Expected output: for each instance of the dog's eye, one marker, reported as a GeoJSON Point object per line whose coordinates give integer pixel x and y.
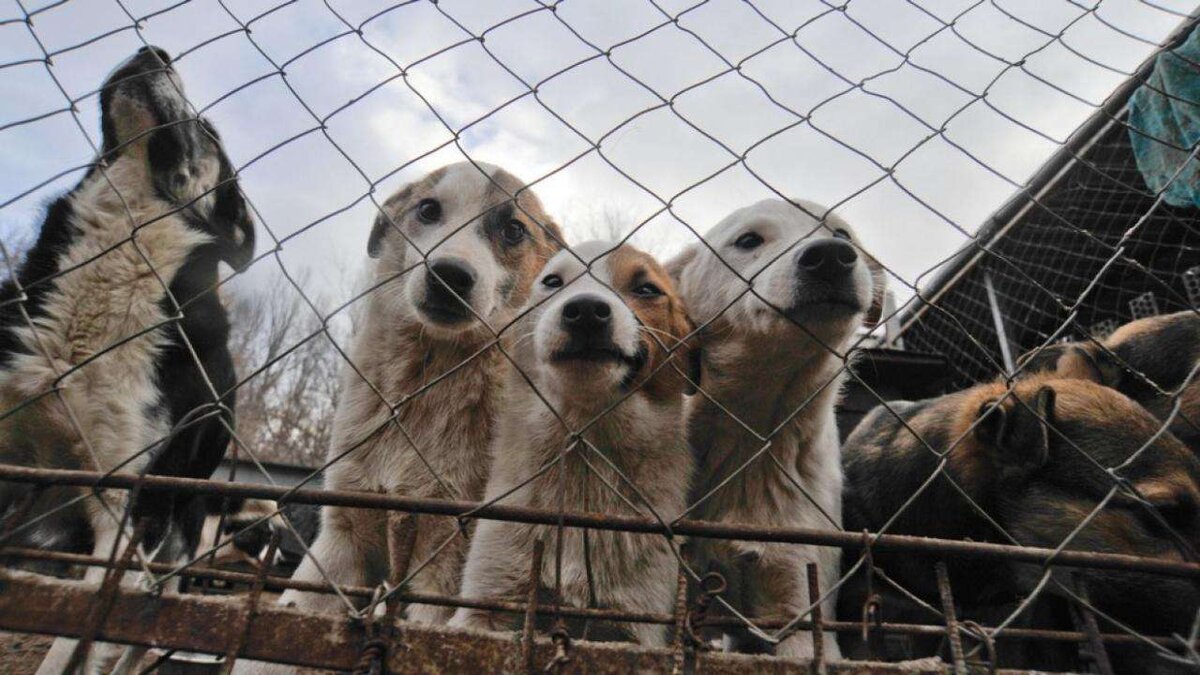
{"type": "Point", "coordinates": [513, 232]}
{"type": "Point", "coordinates": [429, 211]}
{"type": "Point", "coordinates": [647, 290]}
{"type": "Point", "coordinates": [841, 234]}
{"type": "Point", "coordinates": [552, 281]}
{"type": "Point", "coordinates": [749, 240]}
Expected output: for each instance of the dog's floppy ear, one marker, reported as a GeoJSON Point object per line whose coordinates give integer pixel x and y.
{"type": "Point", "coordinates": [1017, 432]}
{"type": "Point", "coordinates": [234, 226]}
{"type": "Point", "coordinates": [675, 266]}
{"type": "Point", "coordinates": [878, 293]}
{"type": "Point", "coordinates": [690, 355]}
{"type": "Point", "coordinates": [396, 204]}
{"type": "Point", "coordinates": [378, 229]}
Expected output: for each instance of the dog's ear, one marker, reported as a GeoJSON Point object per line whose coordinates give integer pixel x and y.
{"type": "Point", "coordinates": [878, 293]}
{"type": "Point", "coordinates": [378, 230]}
{"type": "Point", "coordinates": [688, 348]}
{"type": "Point", "coordinates": [1107, 367]}
{"type": "Point", "coordinates": [387, 217]}
{"type": "Point", "coordinates": [675, 266]}
{"type": "Point", "coordinates": [234, 226]}
{"type": "Point", "coordinates": [1017, 432]}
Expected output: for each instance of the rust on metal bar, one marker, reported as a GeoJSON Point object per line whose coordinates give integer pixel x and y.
{"type": "Point", "coordinates": [596, 521]}
{"type": "Point", "coordinates": [529, 628]}
{"type": "Point", "coordinates": [251, 608]}
{"type": "Point", "coordinates": [33, 604]}
{"type": "Point", "coordinates": [956, 648]}
{"type": "Point", "coordinates": [683, 646]}
{"type": "Point", "coordinates": [818, 625]}
{"type": "Point", "coordinates": [599, 614]}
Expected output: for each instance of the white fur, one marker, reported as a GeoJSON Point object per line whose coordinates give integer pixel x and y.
{"type": "Point", "coordinates": [437, 445]}
{"type": "Point", "coordinates": [762, 368]}
{"type": "Point", "coordinates": [642, 436]}
{"type": "Point", "coordinates": [98, 417]}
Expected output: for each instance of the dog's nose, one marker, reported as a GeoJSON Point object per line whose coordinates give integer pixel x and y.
{"type": "Point", "coordinates": [159, 51]}
{"type": "Point", "coordinates": [586, 313]}
{"type": "Point", "coordinates": [452, 274]}
{"type": "Point", "coordinates": [827, 258]}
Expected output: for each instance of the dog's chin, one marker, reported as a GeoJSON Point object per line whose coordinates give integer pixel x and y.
{"type": "Point", "coordinates": [830, 308]}
{"type": "Point", "coordinates": [606, 365]}
{"type": "Point", "coordinates": [444, 320]}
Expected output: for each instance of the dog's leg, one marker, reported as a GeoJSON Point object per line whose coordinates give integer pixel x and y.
{"type": "Point", "coordinates": [443, 573]}
{"type": "Point", "coordinates": [106, 531]}
{"type": "Point", "coordinates": [780, 590]}
{"type": "Point", "coordinates": [347, 549]}
{"type": "Point", "coordinates": [650, 591]}
{"type": "Point", "coordinates": [497, 568]}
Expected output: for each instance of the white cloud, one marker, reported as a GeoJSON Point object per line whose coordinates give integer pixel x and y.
{"type": "Point", "coordinates": [307, 190]}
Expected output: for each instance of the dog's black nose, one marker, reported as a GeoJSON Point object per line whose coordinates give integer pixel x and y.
{"type": "Point", "coordinates": [586, 313]}
{"type": "Point", "coordinates": [827, 258]}
{"type": "Point", "coordinates": [159, 51]}
{"type": "Point", "coordinates": [451, 274]}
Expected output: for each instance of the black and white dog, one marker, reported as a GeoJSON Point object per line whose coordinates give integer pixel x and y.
{"type": "Point", "coordinates": [113, 351]}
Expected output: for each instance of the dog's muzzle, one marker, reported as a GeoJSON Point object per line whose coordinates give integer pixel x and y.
{"type": "Point", "coordinates": [825, 275]}
{"type": "Point", "coordinates": [587, 321]}
{"type": "Point", "coordinates": [448, 286]}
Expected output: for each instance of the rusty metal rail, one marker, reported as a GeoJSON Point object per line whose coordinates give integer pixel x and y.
{"type": "Point", "coordinates": [277, 583]}
{"type": "Point", "coordinates": [33, 604]}
{"type": "Point", "coordinates": [690, 528]}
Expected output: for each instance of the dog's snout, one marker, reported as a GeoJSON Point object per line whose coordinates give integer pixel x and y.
{"type": "Point", "coordinates": [586, 313]}
{"type": "Point", "coordinates": [827, 258]}
{"type": "Point", "coordinates": [156, 51]}
{"type": "Point", "coordinates": [452, 274]}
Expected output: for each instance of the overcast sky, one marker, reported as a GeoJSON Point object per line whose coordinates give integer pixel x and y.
{"type": "Point", "coordinates": [823, 116]}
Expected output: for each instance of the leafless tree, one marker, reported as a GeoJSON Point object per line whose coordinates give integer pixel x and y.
{"type": "Point", "coordinates": [289, 373]}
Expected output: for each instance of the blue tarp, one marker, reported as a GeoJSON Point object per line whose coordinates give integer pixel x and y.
{"type": "Point", "coordinates": [1164, 120]}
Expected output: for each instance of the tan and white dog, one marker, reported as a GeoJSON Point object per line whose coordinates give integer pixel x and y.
{"type": "Point", "coordinates": [773, 349]}
{"type": "Point", "coordinates": [424, 337]}
{"type": "Point", "coordinates": [591, 341]}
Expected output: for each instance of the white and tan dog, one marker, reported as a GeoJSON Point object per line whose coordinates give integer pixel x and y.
{"type": "Point", "coordinates": [772, 357]}
{"type": "Point", "coordinates": [424, 325]}
{"type": "Point", "coordinates": [590, 341]}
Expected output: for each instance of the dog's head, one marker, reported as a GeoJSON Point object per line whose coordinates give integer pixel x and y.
{"type": "Point", "coordinates": [463, 246]}
{"type": "Point", "coordinates": [154, 147]}
{"type": "Point", "coordinates": [1037, 460]}
{"type": "Point", "coordinates": [1073, 360]}
{"type": "Point", "coordinates": [594, 333]}
{"type": "Point", "coordinates": [1143, 359]}
{"type": "Point", "coordinates": [1055, 463]}
{"type": "Point", "coordinates": [803, 266]}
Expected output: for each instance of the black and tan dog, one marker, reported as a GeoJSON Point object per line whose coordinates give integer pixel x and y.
{"type": "Point", "coordinates": [1035, 460]}
{"type": "Point", "coordinates": [1149, 360]}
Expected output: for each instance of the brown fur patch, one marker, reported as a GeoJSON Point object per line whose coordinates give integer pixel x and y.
{"type": "Point", "coordinates": [664, 316]}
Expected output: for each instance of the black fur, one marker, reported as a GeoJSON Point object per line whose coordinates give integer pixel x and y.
{"type": "Point", "coordinates": [1030, 479]}
{"type": "Point", "coordinates": [201, 421]}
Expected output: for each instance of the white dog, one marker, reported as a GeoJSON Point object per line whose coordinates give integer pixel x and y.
{"type": "Point", "coordinates": [424, 325]}
{"type": "Point", "coordinates": [773, 355]}
{"type": "Point", "coordinates": [587, 342]}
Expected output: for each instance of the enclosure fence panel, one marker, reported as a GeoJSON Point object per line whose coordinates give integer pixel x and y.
{"type": "Point", "coordinates": [1004, 188]}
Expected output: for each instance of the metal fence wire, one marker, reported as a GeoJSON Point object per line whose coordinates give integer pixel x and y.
{"type": "Point", "coordinates": [1043, 515]}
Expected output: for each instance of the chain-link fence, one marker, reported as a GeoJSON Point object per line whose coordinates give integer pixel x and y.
{"type": "Point", "coordinates": [508, 427]}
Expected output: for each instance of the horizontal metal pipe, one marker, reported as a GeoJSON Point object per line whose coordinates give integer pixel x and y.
{"type": "Point", "coordinates": [277, 583]}
{"type": "Point", "coordinates": [691, 528]}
